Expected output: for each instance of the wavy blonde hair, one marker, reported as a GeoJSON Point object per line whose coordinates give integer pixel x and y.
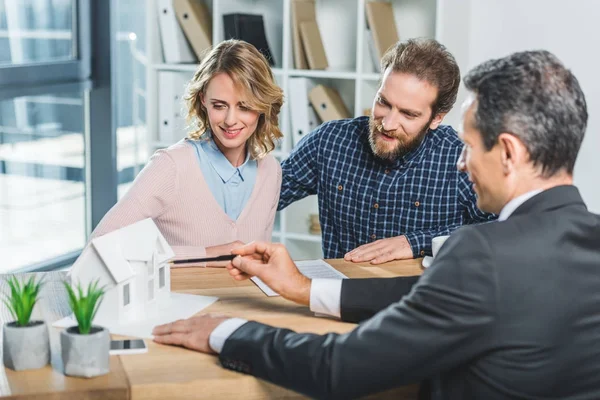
{"type": "Point", "coordinates": [250, 71]}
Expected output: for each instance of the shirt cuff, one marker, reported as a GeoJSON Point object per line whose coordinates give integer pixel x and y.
{"type": "Point", "coordinates": [325, 296]}
{"type": "Point", "coordinates": [417, 243]}
{"type": "Point", "coordinates": [221, 333]}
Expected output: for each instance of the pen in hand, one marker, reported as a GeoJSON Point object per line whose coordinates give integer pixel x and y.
{"type": "Point", "coordinates": [226, 257]}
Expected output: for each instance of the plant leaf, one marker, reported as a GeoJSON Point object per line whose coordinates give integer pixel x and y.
{"type": "Point", "coordinates": [85, 303]}
{"type": "Point", "coordinates": [22, 298]}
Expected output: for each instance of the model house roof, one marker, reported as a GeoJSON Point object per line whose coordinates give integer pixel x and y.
{"type": "Point", "coordinates": [137, 242]}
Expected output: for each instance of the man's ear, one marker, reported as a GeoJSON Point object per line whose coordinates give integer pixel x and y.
{"type": "Point", "coordinates": [437, 120]}
{"type": "Point", "coordinates": [512, 151]}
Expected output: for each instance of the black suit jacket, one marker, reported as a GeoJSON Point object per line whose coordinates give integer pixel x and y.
{"type": "Point", "coordinates": [508, 310]}
{"type": "Point", "coordinates": [363, 298]}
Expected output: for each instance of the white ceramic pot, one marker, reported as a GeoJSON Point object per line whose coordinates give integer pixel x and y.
{"type": "Point", "coordinates": [26, 347]}
{"type": "Point", "coordinates": [85, 355]}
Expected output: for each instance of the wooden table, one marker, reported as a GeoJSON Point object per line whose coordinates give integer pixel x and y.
{"type": "Point", "coordinates": [176, 373]}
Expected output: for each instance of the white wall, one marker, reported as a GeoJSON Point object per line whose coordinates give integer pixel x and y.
{"type": "Point", "coordinates": [493, 28]}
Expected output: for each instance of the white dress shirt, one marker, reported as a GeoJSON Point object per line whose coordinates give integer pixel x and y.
{"type": "Point", "coordinates": [217, 338]}
{"type": "Point", "coordinates": [512, 205]}
{"type": "Point", "coordinates": [325, 294]}
{"type": "Point", "coordinates": [324, 299]}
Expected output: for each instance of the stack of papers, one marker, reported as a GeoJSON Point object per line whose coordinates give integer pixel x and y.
{"type": "Point", "coordinates": [313, 269]}
{"type": "Point", "coordinates": [180, 306]}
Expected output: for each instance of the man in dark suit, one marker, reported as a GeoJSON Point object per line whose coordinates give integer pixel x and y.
{"type": "Point", "coordinates": [508, 309]}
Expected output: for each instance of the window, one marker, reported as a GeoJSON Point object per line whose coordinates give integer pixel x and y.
{"type": "Point", "coordinates": [44, 41]}
{"type": "Point", "coordinates": [151, 289]}
{"type": "Point", "coordinates": [130, 96]}
{"type": "Point", "coordinates": [48, 94]}
{"type": "Point", "coordinates": [57, 137]}
{"type": "Point", "coordinates": [42, 178]}
{"type": "Point", "coordinates": [34, 31]}
{"type": "Point", "coordinates": [161, 277]}
{"type": "Point", "coordinates": [126, 298]}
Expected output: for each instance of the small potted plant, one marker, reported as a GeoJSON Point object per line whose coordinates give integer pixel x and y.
{"type": "Point", "coordinates": [26, 343]}
{"type": "Point", "coordinates": [85, 347]}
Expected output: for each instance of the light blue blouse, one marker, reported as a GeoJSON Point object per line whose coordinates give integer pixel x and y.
{"type": "Point", "coordinates": [230, 186]}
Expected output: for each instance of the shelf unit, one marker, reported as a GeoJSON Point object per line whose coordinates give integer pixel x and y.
{"type": "Point", "coordinates": [351, 71]}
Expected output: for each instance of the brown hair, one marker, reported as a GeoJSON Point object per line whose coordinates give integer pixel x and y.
{"type": "Point", "coordinates": [250, 71]}
{"type": "Point", "coordinates": [430, 61]}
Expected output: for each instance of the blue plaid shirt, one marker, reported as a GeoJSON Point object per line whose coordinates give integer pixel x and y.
{"type": "Point", "coordinates": [362, 198]}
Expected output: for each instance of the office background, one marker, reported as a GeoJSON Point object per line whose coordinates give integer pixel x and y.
{"type": "Point", "coordinates": [74, 130]}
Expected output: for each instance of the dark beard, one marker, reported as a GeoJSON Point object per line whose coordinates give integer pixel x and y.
{"type": "Point", "coordinates": [402, 147]}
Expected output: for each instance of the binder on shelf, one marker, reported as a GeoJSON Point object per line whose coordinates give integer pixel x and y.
{"type": "Point", "coordinates": [196, 22]}
{"type": "Point", "coordinates": [248, 27]}
{"type": "Point", "coordinates": [303, 117]}
{"type": "Point", "coordinates": [302, 11]}
{"type": "Point", "coordinates": [327, 103]}
{"type": "Point", "coordinates": [380, 19]}
{"type": "Point", "coordinates": [174, 45]}
{"type": "Point", "coordinates": [373, 55]}
{"type": "Point", "coordinates": [171, 110]}
{"type": "Point", "coordinates": [313, 45]}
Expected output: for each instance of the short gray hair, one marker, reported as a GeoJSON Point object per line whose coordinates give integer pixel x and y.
{"type": "Point", "coordinates": [533, 96]}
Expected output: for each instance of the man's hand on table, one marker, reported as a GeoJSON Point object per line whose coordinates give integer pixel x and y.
{"type": "Point", "coordinates": [381, 251]}
{"type": "Point", "coordinates": [192, 333]}
{"type": "Point", "coordinates": [272, 263]}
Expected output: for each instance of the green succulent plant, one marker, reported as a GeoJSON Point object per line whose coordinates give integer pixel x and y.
{"type": "Point", "coordinates": [22, 298]}
{"type": "Point", "coordinates": [85, 304]}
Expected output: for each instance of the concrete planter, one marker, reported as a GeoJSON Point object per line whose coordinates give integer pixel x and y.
{"type": "Point", "coordinates": [85, 355]}
{"type": "Point", "coordinates": [26, 347]}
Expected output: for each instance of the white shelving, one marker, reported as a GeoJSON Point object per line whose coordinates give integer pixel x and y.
{"type": "Point", "coordinates": [174, 67]}
{"type": "Point", "coordinates": [342, 24]}
{"type": "Point", "coordinates": [303, 236]}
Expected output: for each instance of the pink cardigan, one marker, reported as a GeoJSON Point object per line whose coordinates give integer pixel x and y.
{"type": "Point", "coordinates": [172, 191]}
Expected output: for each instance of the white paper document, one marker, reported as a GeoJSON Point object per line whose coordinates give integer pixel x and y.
{"type": "Point", "coordinates": [181, 306]}
{"type": "Point", "coordinates": [313, 269]}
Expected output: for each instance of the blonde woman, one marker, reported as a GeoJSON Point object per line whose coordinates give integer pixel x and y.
{"type": "Point", "coordinates": [219, 187]}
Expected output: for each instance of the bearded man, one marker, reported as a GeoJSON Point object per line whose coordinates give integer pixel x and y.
{"type": "Point", "coordinates": [388, 184]}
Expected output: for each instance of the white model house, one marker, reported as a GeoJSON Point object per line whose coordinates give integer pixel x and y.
{"type": "Point", "coordinates": [133, 264]}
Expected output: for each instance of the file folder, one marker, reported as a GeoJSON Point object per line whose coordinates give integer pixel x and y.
{"type": "Point", "coordinates": [380, 18]}
{"type": "Point", "coordinates": [250, 28]}
{"type": "Point", "coordinates": [174, 44]}
{"type": "Point", "coordinates": [327, 103]}
{"type": "Point", "coordinates": [171, 108]}
{"type": "Point", "coordinates": [195, 20]}
{"type": "Point", "coordinates": [313, 45]}
{"type": "Point", "coordinates": [373, 54]}
{"type": "Point", "coordinates": [302, 11]}
{"type": "Point", "coordinates": [303, 117]}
